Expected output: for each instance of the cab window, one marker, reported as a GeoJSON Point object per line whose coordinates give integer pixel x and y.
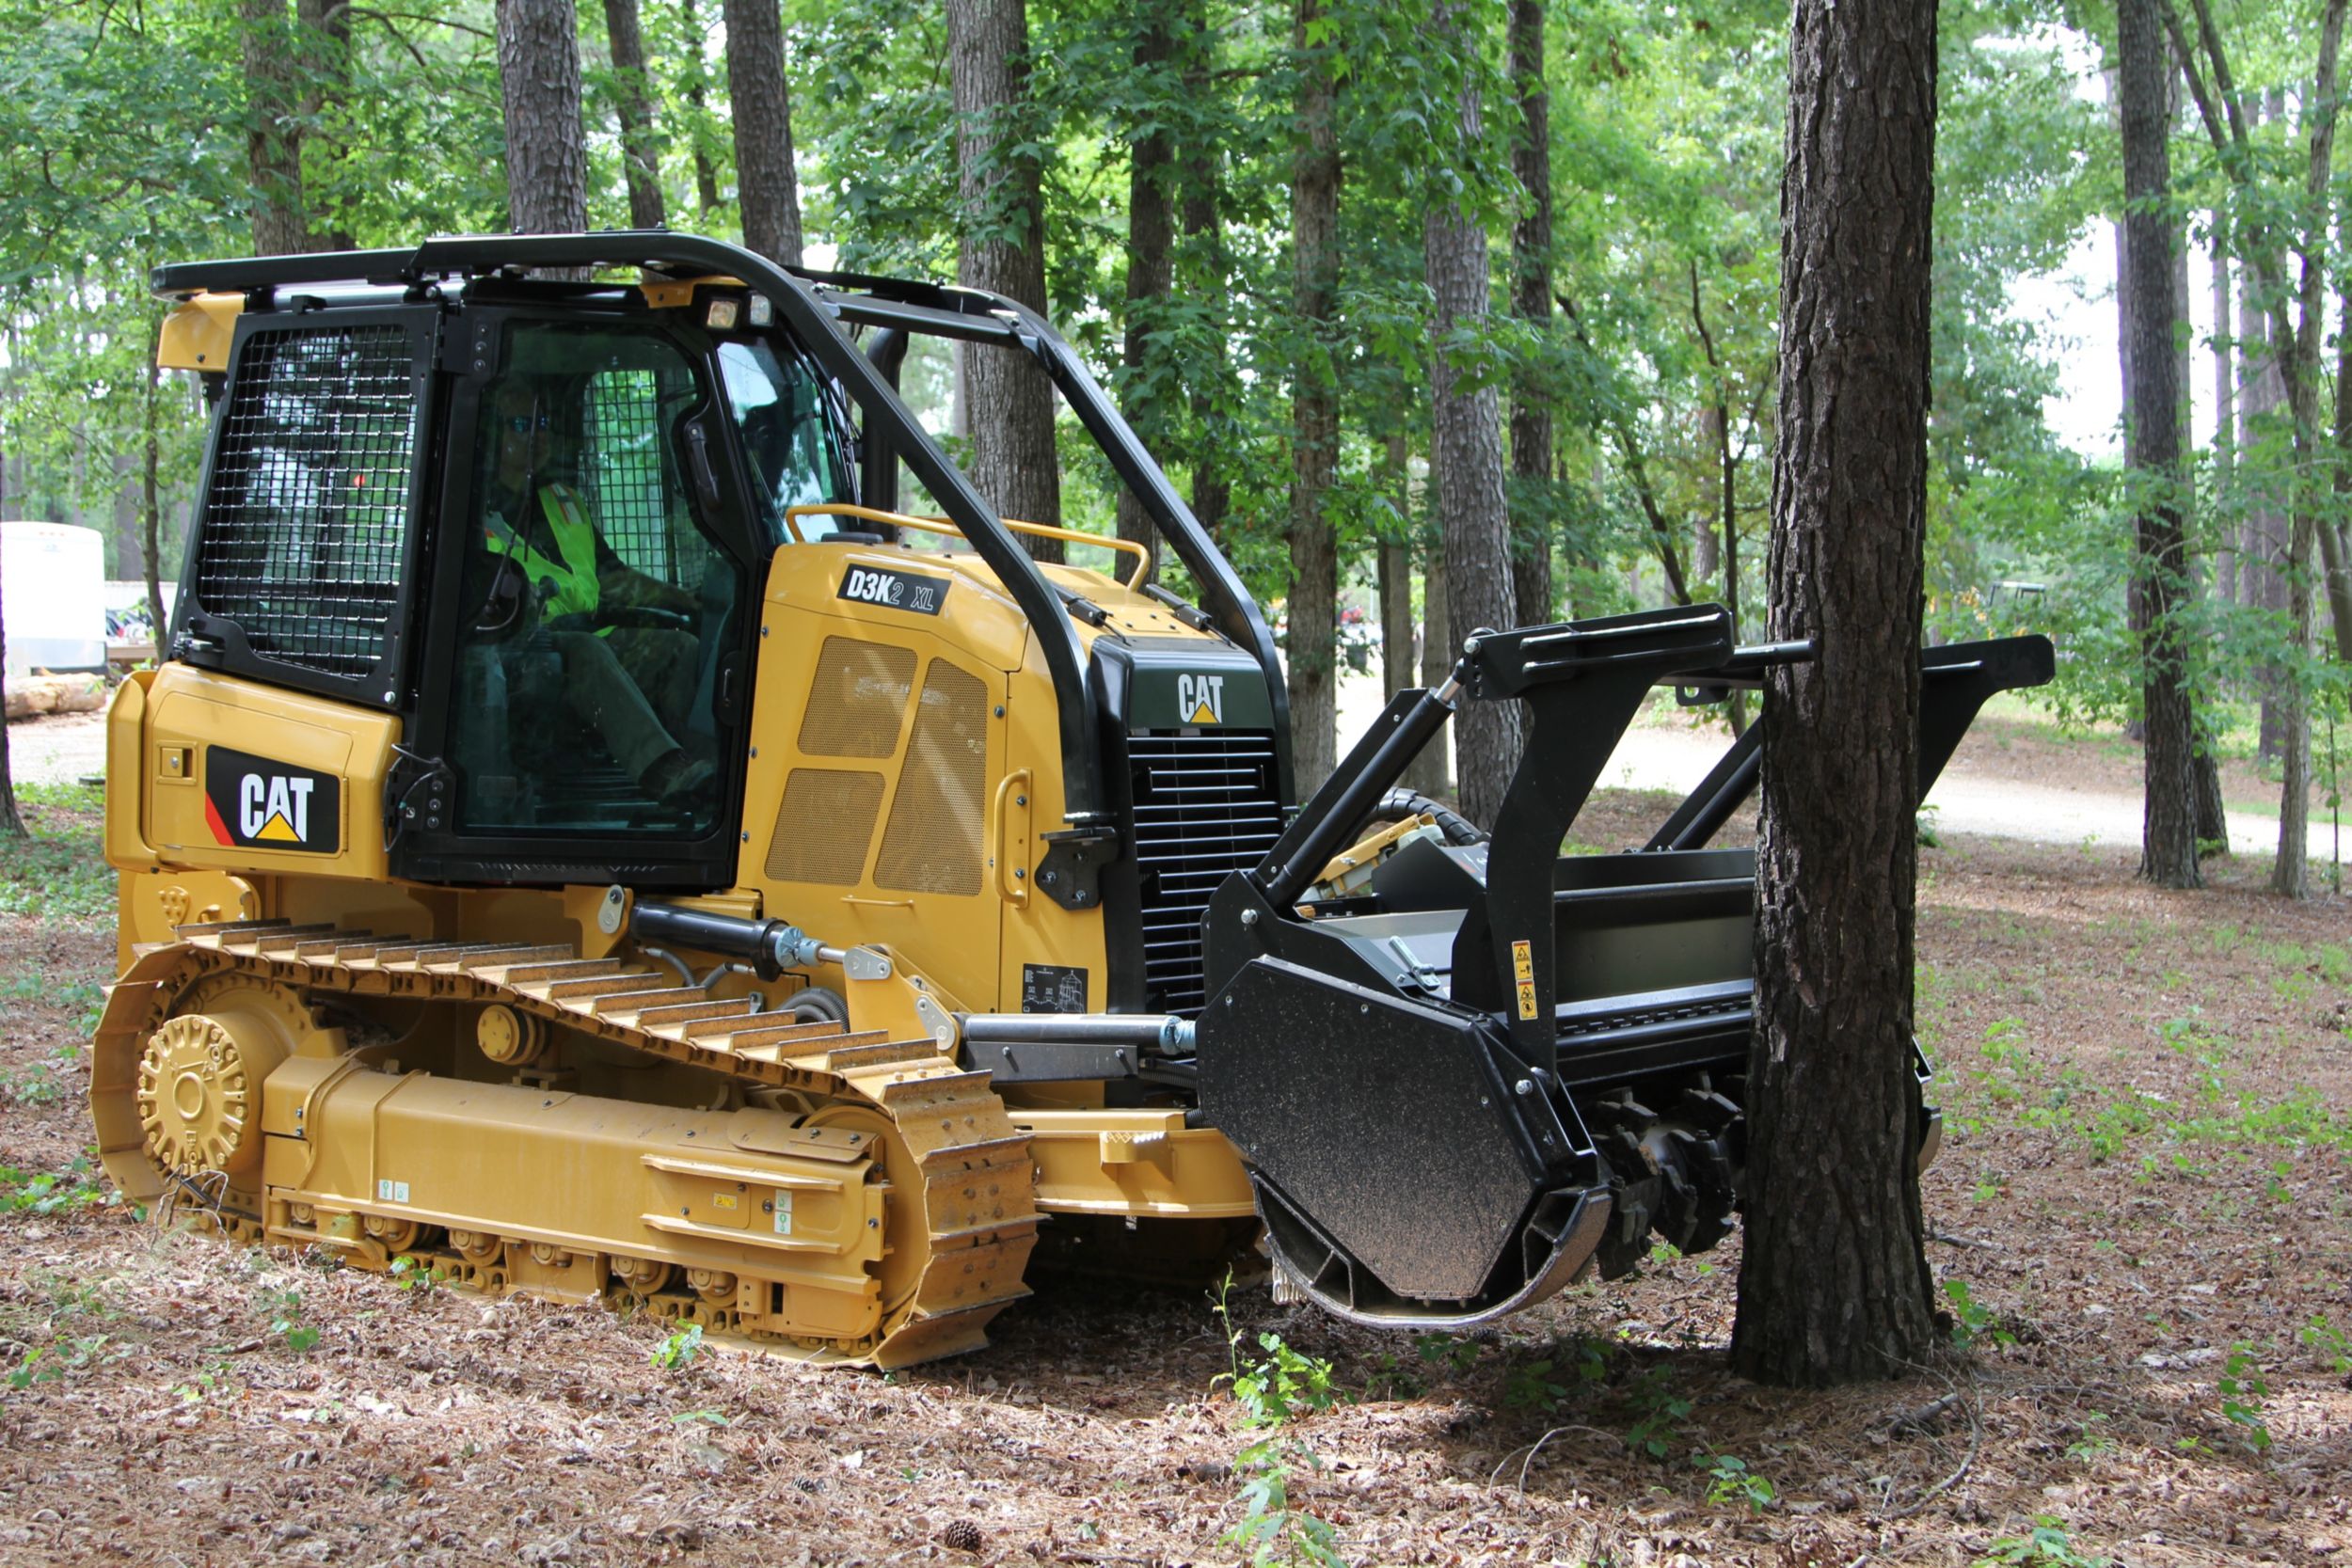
{"type": "Point", "coordinates": [790, 453]}
{"type": "Point", "coordinates": [600, 605]}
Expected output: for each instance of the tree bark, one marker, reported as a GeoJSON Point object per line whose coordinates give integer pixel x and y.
{"type": "Point", "coordinates": [2152, 413]}
{"type": "Point", "coordinates": [2224, 417]}
{"type": "Point", "coordinates": [1834, 1283]}
{"type": "Point", "coordinates": [1428, 772]}
{"type": "Point", "coordinates": [1398, 667]}
{"type": "Point", "coordinates": [1313, 618]}
{"type": "Point", "coordinates": [1002, 248]}
{"type": "Point", "coordinates": [1203, 264]}
{"type": "Point", "coordinates": [766, 187]}
{"type": "Point", "coordinates": [273, 144]}
{"type": "Point", "coordinates": [151, 499]}
{"type": "Point", "coordinates": [547, 149]}
{"type": "Point", "coordinates": [1150, 267]}
{"type": "Point", "coordinates": [11, 821]}
{"type": "Point", "coordinates": [632, 89]}
{"type": "Point", "coordinates": [326, 40]}
{"type": "Point", "coordinates": [1465, 447]}
{"type": "Point", "coordinates": [1531, 300]}
{"type": "Point", "coordinates": [697, 75]}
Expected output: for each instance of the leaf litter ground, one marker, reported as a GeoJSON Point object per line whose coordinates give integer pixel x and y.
{"type": "Point", "coordinates": [2141, 1220]}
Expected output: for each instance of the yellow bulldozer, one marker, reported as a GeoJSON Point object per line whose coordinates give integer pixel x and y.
{"type": "Point", "coordinates": [583, 838]}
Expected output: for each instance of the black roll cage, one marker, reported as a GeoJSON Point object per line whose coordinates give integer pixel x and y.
{"type": "Point", "coordinates": [816, 306]}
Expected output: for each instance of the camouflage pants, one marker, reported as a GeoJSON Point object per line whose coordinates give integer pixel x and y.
{"type": "Point", "coordinates": [634, 685]}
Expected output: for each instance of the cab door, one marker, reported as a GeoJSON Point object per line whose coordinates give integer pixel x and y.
{"type": "Point", "coordinates": [587, 667]}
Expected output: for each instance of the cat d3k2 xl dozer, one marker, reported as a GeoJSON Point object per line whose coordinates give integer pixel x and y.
{"type": "Point", "coordinates": [585, 839]}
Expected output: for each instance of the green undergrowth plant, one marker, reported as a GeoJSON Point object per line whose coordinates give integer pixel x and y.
{"type": "Point", "coordinates": [678, 1348]}
{"type": "Point", "coordinates": [1731, 1480]}
{"type": "Point", "coordinates": [2046, 1546]}
{"type": "Point", "coordinates": [1275, 1385]}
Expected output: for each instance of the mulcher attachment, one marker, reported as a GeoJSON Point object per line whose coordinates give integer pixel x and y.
{"type": "Point", "coordinates": [1500, 1067]}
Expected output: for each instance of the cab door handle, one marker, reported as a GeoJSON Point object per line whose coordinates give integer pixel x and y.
{"type": "Point", "coordinates": [1009, 844]}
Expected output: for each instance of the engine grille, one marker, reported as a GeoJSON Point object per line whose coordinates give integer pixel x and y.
{"type": "Point", "coordinates": [1205, 806]}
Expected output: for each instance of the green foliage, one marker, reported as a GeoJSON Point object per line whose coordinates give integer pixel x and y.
{"type": "Point", "coordinates": [2245, 1392]}
{"type": "Point", "coordinates": [1272, 1528]}
{"type": "Point", "coordinates": [1730, 1481]}
{"type": "Point", "coordinates": [417, 1278]}
{"type": "Point", "coordinates": [1659, 1413]}
{"type": "Point", "coordinates": [48, 1193]}
{"type": "Point", "coordinates": [2329, 1343]}
{"type": "Point", "coordinates": [59, 1360]}
{"type": "Point", "coordinates": [1273, 1389]}
{"type": "Point", "coordinates": [2046, 1546]}
{"type": "Point", "coordinates": [678, 1348]}
{"type": "Point", "coordinates": [1972, 1321]}
{"type": "Point", "coordinates": [59, 873]}
{"type": "Point", "coordinates": [284, 1309]}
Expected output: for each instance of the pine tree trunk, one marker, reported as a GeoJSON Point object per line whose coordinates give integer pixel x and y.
{"type": "Point", "coordinates": [1150, 268]}
{"type": "Point", "coordinates": [1002, 248]}
{"type": "Point", "coordinates": [1833, 1284]}
{"type": "Point", "coordinates": [272, 129]}
{"type": "Point", "coordinates": [1466, 449]}
{"type": "Point", "coordinates": [546, 150]}
{"type": "Point", "coordinates": [766, 186]}
{"type": "Point", "coordinates": [151, 499]}
{"type": "Point", "coordinates": [696, 77]}
{"type": "Point", "coordinates": [1313, 638]}
{"type": "Point", "coordinates": [1399, 668]}
{"type": "Point", "coordinates": [2225, 418]}
{"type": "Point", "coordinates": [2153, 415]}
{"type": "Point", "coordinates": [1428, 772]}
{"type": "Point", "coordinates": [1531, 300]}
{"type": "Point", "coordinates": [327, 38]}
{"type": "Point", "coordinates": [1205, 265]}
{"type": "Point", "coordinates": [11, 822]}
{"type": "Point", "coordinates": [632, 96]}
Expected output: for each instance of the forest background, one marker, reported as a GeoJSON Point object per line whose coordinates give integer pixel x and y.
{"type": "Point", "coordinates": [1248, 214]}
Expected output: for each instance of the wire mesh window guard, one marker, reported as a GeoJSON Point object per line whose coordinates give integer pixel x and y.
{"type": "Point", "coordinates": [624, 470]}
{"type": "Point", "coordinates": [306, 521]}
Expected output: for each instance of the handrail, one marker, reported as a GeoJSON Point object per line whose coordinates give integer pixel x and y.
{"type": "Point", "coordinates": [945, 529]}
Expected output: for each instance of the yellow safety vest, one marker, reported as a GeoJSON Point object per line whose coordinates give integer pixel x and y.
{"type": "Point", "coordinates": [572, 581]}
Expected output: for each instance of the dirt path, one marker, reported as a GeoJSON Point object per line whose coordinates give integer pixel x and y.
{"type": "Point", "coordinates": [57, 748]}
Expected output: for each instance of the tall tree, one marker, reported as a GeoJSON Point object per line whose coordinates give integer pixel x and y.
{"type": "Point", "coordinates": [695, 75]}
{"type": "Point", "coordinates": [1466, 430]}
{"type": "Point", "coordinates": [1202, 270]}
{"type": "Point", "coordinates": [632, 96]}
{"type": "Point", "coordinates": [2160, 585]}
{"type": "Point", "coordinates": [2296, 324]}
{"type": "Point", "coordinates": [273, 128]}
{"type": "Point", "coordinates": [1428, 773]}
{"type": "Point", "coordinates": [1148, 383]}
{"type": "Point", "coordinates": [1001, 248]}
{"type": "Point", "coordinates": [1834, 1282]}
{"type": "Point", "coordinates": [1531, 300]}
{"type": "Point", "coordinates": [766, 186]}
{"type": "Point", "coordinates": [11, 822]}
{"type": "Point", "coordinates": [1314, 629]}
{"type": "Point", "coordinates": [326, 39]}
{"type": "Point", "coordinates": [547, 149]}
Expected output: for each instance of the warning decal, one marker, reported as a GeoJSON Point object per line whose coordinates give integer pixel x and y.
{"type": "Point", "coordinates": [1523, 971]}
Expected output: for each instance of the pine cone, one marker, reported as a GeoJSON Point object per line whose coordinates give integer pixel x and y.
{"type": "Point", "coordinates": [963, 1535]}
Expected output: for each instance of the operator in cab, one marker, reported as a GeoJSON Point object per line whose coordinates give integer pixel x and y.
{"type": "Point", "coordinates": [628, 675]}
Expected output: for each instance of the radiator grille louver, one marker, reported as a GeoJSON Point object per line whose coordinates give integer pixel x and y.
{"type": "Point", "coordinates": [1206, 807]}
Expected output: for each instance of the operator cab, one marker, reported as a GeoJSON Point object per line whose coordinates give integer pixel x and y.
{"type": "Point", "coordinates": [534, 520]}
